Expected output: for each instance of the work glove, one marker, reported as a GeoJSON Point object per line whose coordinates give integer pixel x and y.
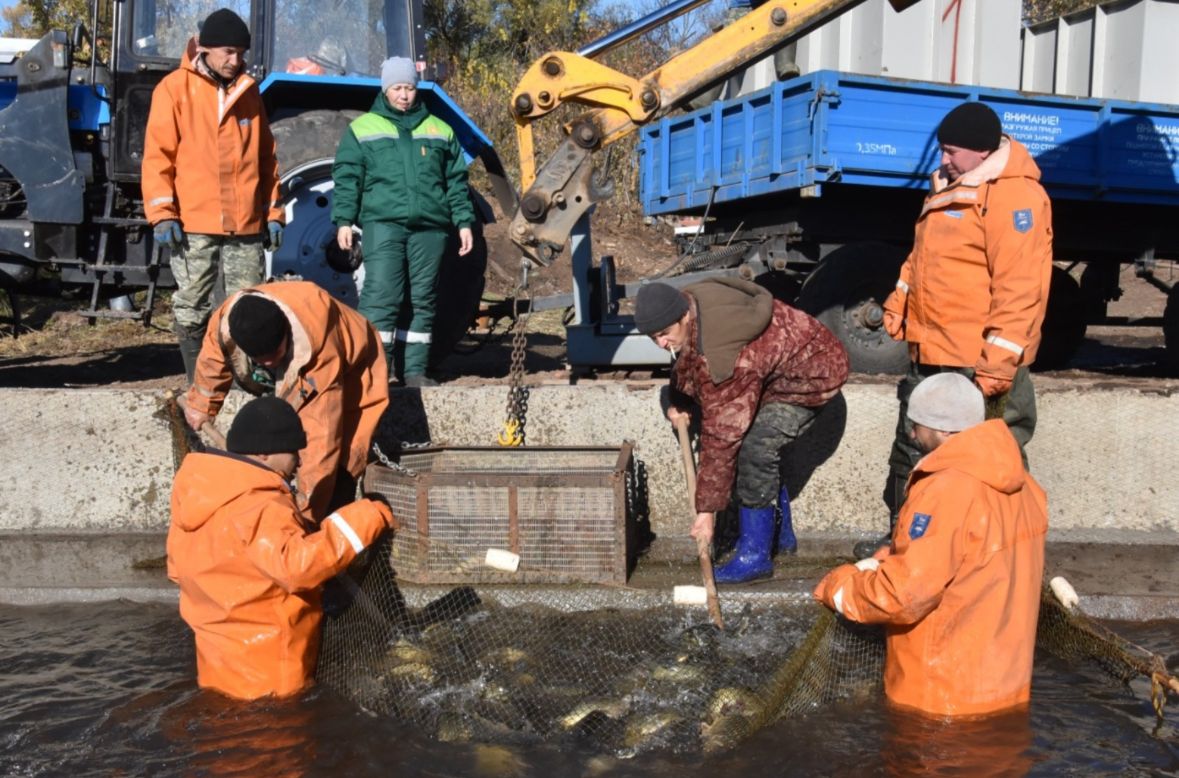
{"type": "Point", "coordinates": [868, 563]}
{"type": "Point", "coordinates": [273, 235]}
{"type": "Point", "coordinates": [894, 325]}
{"type": "Point", "coordinates": [382, 506]}
{"type": "Point", "coordinates": [991, 386]}
{"type": "Point", "coordinates": [169, 233]}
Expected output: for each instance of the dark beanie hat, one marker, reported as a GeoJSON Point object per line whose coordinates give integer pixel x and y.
{"type": "Point", "coordinates": [658, 306]}
{"type": "Point", "coordinates": [224, 28]}
{"type": "Point", "coordinates": [266, 425]}
{"type": "Point", "coordinates": [971, 126]}
{"type": "Point", "coordinates": [257, 325]}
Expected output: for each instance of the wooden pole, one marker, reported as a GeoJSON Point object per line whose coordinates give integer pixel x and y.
{"type": "Point", "coordinates": [681, 428]}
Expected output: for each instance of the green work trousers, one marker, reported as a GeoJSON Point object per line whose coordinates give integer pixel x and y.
{"type": "Point", "coordinates": [195, 265]}
{"type": "Point", "coordinates": [400, 291]}
{"type": "Point", "coordinates": [1019, 413]}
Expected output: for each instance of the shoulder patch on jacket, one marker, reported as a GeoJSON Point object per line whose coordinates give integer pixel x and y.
{"type": "Point", "coordinates": [370, 126]}
{"type": "Point", "coordinates": [920, 525]}
{"type": "Point", "coordinates": [1022, 219]}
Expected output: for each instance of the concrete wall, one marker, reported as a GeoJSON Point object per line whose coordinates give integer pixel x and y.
{"type": "Point", "coordinates": [98, 461]}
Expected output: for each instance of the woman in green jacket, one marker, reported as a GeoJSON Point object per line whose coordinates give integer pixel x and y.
{"type": "Point", "coordinates": [400, 173]}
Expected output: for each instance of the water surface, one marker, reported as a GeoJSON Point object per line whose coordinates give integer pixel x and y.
{"type": "Point", "coordinates": [108, 689]}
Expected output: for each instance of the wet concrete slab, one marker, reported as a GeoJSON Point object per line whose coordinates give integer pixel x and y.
{"type": "Point", "coordinates": [1130, 576]}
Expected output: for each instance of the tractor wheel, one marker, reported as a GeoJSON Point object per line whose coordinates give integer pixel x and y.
{"type": "Point", "coordinates": [846, 291]}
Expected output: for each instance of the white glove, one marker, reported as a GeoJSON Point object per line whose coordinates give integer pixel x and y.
{"type": "Point", "coordinates": [868, 563]}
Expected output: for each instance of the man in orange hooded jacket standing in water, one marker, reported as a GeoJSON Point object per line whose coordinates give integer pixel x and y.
{"type": "Point", "coordinates": [249, 566]}
{"type": "Point", "coordinates": [958, 593]}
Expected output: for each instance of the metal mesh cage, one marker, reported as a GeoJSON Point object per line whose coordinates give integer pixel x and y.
{"type": "Point", "coordinates": [562, 511]}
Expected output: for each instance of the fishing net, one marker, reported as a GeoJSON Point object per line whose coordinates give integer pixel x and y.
{"type": "Point", "coordinates": [1072, 636]}
{"type": "Point", "coordinates": [184, 438]}
{"type": "Point", "coordinates": [623, 672]}
{"type": "Point", "coordinates": [618, 671]}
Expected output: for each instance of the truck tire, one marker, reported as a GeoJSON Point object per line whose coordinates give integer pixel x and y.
{"type": "Point", "coordinates": [844, 293]}
{"type": "Point", "coordinates": [1064, 322]}
{"type": "Point", "coordinates": [306, 149]}
{"type": "Point", "coordinates": [1171, 331]}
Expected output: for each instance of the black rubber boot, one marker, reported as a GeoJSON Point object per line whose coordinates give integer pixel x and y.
{"type": "Point", "coordinates": [896, 485]}
{"type": "Point", "coordinates": [189, 340]}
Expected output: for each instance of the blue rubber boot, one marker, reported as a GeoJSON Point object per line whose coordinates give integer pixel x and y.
{"type": "Point", "coordinates": [787, 543]}
{"type": "Point", "coordinates": [751, 558]}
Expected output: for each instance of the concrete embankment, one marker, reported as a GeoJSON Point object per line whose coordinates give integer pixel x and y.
{"type": "Point", "coordinates": [94, 463]}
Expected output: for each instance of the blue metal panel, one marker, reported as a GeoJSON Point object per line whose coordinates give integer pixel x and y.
{"type": "Point", "coordinates": [470, 137]}
{"type": "Point", "coordinates": [836, 128]}
{"type": "Point", "coordinates": [87, 111]}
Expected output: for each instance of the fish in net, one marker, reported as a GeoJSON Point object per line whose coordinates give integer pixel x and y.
{"type": "Point", "coordinates": [512, 665]}
{"type": "Point", "coordinates": [519, 665]}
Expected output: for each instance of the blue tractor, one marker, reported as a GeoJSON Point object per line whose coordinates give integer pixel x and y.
{"type": "Point", "coordinates": [72, 133]}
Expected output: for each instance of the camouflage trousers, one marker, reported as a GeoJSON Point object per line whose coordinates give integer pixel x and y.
{"type": "Point", "coordinates": [195, 266]}
{"type": "Point", "coordinates": [759, 462]}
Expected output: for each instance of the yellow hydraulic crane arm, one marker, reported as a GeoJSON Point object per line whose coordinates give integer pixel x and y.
{"type": "Point", "coordinates": [564, 187]}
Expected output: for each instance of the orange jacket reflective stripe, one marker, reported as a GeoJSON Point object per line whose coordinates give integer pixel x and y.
{"type": "Point", "coordinates": [335, 379]}
{"type": "Point", "coordinates": [958, 592]}
{"type": "Point", "coordinates": [974, 289]}
{"type": "Point", "coordinates": [250, 572]}
{"type": "Point", "coordinates": [208, 155]}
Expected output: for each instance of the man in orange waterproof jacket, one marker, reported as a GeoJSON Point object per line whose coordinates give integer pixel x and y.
{"type": "Point", "coordinates": [958, 592]}
{"type": "Point", "coordinates": [293, 339]}
{"type": "Point", "coordinates": [210, 175]}
{"type": "Point", "coordinates": [248, 565]}
{"type": "Point", "coordinates": [972, 294]}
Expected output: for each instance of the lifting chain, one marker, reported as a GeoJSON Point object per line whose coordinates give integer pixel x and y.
{"type": "Point", "coordinates": [389, 463]}
{"type": "Point", "coordinates": [517, 407]}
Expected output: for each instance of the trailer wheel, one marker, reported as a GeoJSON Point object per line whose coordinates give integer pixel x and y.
{"type": "Point", "coordinates": [1171, 330]}
{"type": "Point", "coordinates": [307, 147]}
{"type": "Point", "coordinates": [845, 293]}
{"type": "Point", "coordinates": [1064, 322]}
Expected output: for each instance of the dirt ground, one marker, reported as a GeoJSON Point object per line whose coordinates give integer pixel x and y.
{"type": "Point", "coordinates": [56, 347]}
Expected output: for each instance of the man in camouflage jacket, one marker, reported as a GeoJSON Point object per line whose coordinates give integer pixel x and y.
{"type": "Point", "coordinates": [759, 371]}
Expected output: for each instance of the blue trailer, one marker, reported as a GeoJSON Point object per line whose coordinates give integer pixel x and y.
{"type": "Point", "coordinates": [818, 180]}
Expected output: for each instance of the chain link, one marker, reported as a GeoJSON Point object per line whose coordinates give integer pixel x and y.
{"type": "Point", "coordinates": [516, 411]}
{"type": "Point", "coordinates": [389, 463]}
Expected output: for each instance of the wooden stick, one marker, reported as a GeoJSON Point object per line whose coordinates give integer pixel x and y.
{"type": "Point", "coordinates": [681, 428]}
{"type": "Point", "coordinates": [214, 434]}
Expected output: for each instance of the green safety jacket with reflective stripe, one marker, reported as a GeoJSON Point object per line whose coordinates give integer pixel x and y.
{"type": "Point", "coordinates": [401, 166]}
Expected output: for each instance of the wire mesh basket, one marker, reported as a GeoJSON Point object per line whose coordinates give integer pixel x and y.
{"type": "Point", "coordinates": [562, 511]}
